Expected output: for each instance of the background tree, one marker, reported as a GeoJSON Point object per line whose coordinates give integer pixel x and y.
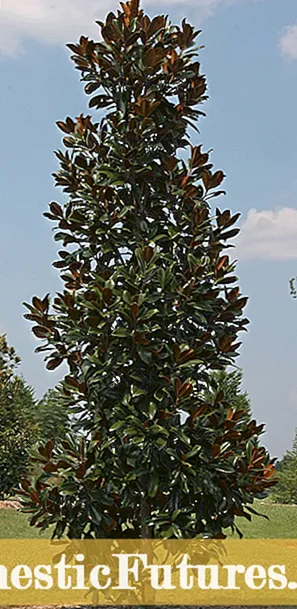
{"type": "Point", "coordinates": [17, 428]}
{"type": "Point", "coordinates": [52, 415]}
{"type": "Point", "coordinates": [292, 284]}
{"type": "Point", "coordinates": [286, 490]}
{"type": "Point", "coordinates": [229, 383]}
{"type": "Point", "coordinates": [149, 306]}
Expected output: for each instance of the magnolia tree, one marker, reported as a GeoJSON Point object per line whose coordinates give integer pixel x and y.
{"type": "Point", "coordinates": [149, 307]}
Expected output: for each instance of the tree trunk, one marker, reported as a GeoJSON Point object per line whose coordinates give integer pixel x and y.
{"type": "Point", "coordinates": [145, 510]}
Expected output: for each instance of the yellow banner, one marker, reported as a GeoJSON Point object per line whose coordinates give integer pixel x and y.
{"type": "Point", "coordinates": [145, 572]}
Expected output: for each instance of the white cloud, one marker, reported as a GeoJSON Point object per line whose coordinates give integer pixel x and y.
{"type": "Point", "coordinates": [288, 42]}
{"type": "Point", "coordinates": [47, 21]}
{"type": "Point", "coordinates": [57, 22]}
{"type": "Point", "coordinates": [268, 234]}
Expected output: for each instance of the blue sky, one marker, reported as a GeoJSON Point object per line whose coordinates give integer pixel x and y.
{"type": "Point", "coordinates": [250, 59]}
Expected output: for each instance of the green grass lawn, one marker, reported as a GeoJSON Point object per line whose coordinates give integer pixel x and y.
{"type": "Point", "coordinates": [282, 523]}
{"type": "Point", "coordinates": [14, 525]}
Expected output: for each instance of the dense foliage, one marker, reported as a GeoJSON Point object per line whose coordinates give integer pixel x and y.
{"type": "Point", "coordinates": [17, 427]}
{"type": "Point", "coordinates": [149, 307]}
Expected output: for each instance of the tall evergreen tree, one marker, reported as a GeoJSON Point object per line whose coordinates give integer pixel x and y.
{"type": "Point", "coordinates": [149, 306]}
